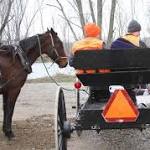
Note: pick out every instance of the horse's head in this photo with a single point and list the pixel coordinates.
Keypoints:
(53, 47)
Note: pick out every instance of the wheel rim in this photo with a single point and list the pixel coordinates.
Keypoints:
(60, 117)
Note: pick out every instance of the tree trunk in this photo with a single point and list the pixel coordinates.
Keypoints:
(6, 17)
(79, 6)
(99, 13)
(92, 11)
(63, 12)
(111, 23)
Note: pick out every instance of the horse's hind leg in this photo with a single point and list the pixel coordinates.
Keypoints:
(9, 100)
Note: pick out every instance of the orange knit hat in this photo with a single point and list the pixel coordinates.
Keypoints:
(92, 30)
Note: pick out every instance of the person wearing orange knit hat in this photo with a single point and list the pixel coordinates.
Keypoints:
(92, 30)
(91, 40)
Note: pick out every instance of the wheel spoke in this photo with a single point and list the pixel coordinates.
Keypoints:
(59, 132)
(61, 142)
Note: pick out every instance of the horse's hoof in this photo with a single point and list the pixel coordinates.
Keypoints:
(9, 134)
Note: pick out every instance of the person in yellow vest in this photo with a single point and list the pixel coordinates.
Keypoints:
(131, 40)
(91, 41)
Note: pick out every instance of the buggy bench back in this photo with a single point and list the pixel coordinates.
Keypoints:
(128, 66)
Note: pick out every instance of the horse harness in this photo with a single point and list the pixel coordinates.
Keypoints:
(17, 50)
(23, 58)
(52, 49)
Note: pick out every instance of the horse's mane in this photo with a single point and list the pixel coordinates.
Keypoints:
(25, 44)
(28, 43)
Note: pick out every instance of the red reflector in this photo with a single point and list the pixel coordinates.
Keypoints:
(77, 85)
(120, 108)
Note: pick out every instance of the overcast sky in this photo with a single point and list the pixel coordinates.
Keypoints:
(51, 16)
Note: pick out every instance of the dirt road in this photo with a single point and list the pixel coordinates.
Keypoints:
(34, 128)
(33, 118)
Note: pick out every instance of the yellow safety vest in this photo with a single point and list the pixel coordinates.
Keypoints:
(87, 43)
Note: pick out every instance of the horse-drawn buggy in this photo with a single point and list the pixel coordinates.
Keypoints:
(103, 109)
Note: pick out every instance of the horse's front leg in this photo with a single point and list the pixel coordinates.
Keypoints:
(9, 100)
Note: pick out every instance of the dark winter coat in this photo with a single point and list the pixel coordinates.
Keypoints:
(122, 43)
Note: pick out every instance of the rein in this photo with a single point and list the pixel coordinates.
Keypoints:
(40, 50)
(54, 49)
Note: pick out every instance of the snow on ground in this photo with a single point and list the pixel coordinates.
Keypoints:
(143, 99)
(39, 71)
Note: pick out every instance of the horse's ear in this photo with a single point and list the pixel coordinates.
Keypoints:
(52, 31)
(48, 29)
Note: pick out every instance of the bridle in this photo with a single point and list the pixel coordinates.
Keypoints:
(51, 50)
(59, 58)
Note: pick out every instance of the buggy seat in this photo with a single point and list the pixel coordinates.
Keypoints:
(129, 67)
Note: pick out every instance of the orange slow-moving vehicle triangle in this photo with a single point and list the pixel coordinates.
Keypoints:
(120, 108)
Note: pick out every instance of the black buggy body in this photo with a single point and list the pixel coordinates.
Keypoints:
(128, 68)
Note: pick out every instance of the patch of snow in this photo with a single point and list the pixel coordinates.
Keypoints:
(39, 71)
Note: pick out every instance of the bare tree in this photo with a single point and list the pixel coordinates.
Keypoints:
(79, 6)
(148, 18)
(121, 20)
(5, 13)
(19, 12)
(20, 23)
(82, 17)
(99, 12)
(92, 11)
(61, 9)
(111, 23)
(29, 23)
(133, 10)
(41, 13)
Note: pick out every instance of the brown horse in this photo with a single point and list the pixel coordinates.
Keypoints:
(15, 75)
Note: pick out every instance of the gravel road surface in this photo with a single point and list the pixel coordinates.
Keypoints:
(34, 128)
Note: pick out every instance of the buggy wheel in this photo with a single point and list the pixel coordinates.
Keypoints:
(60, 121)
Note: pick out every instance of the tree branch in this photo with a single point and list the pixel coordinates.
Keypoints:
(6, 17)
(82, 20)
(65, 16)
(71, 22)
(111, 22)
(92, 11)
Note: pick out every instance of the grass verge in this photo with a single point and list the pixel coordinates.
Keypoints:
(57, 78)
